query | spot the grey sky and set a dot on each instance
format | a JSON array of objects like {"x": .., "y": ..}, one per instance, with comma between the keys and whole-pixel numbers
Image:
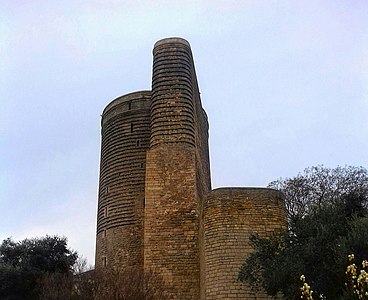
[{"x": 284, "y": 83}]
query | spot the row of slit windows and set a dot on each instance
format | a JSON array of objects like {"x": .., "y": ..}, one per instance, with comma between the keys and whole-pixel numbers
[{"x": 131, "y": 128}]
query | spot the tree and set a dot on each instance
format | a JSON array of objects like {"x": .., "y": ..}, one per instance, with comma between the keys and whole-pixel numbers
[
  {"x": 328, "y": 220},
  {"x": 104, "y": 284},
  {"x": 130, "y": 285},
  {"x": 79, "y": 285},
  {"x": 320, "y": 186},
  {"x": 45, "y": 269},
  {"x": 24, "y": 263}
]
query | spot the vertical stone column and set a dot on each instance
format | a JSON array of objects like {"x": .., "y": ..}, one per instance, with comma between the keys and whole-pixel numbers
[{"x": 171, "y": 245}]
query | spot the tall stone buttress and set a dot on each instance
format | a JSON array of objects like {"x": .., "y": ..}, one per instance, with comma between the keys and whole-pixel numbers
[
  {"x": 177, "y": 172},
  {"x": 156, "y": 209}
]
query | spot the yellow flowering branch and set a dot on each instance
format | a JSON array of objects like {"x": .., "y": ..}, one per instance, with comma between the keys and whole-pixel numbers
[
  {"x": 306, "y": 290},
  {"x": 357, "y": 281}
]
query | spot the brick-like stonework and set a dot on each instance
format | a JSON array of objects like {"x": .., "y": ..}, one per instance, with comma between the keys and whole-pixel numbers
[
  {"x": 156, "y": 210},
  {"x": 230, "y": 216},
  {"x": 125, "y": 138}
]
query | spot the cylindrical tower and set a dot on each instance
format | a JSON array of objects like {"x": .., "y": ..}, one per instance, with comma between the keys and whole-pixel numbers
[
  {"x": 171, "y": 242},
  {"x": 172, "y": 114},
  {"x": 125, "y": 139},
  {"x": 230, "y": 216}
]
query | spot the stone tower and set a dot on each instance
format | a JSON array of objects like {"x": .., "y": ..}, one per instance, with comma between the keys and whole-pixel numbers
[
  {"x": 125, "y": 139},
  {"x": 156, "y": 209}
]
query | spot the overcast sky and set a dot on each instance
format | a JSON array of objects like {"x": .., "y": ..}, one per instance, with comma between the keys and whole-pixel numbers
[{"x": 284, "y": 83}]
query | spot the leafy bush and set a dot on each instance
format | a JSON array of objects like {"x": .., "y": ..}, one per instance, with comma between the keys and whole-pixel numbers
[{"x": 328, "y": 219}]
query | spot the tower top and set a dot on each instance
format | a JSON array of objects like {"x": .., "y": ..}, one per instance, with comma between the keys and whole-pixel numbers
[{"x": 171, "y": 40}]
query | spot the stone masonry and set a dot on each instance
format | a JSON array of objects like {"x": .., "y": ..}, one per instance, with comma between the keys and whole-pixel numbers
[{"x": 156, "y": 209}]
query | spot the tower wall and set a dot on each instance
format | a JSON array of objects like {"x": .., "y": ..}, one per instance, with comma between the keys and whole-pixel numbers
[
  {"x": 125, "y": 138},
  {"x": 230, "y": 216},
  {"x": 172, "y": 208}
]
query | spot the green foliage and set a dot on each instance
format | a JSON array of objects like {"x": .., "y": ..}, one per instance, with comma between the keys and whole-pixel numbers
[
  {"x": 321, "y": 233},
  {"x": 23, "y": 264}
]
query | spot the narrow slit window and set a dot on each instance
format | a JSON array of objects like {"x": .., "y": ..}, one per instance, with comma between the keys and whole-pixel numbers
[
  {"x": 105, "y": 212},
  {"x": 142, "y": 165},
  {"x": 129, "y": 105},
  {"x": 131, "y": 127},
  {"x": 104, "y": 261},
  {"x": 138, "y": 143}
]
